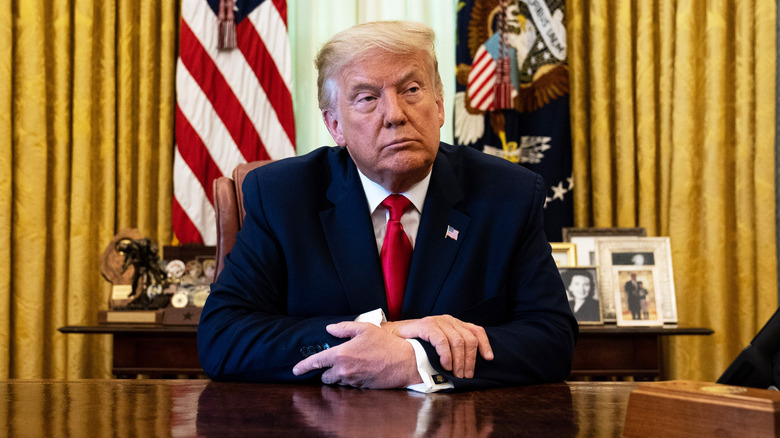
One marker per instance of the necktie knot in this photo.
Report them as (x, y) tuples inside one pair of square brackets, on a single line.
[(397, 206)]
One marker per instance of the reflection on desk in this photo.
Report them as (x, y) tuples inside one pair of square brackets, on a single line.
[(203, 408)]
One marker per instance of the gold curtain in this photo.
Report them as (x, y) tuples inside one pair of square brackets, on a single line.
[(87, 93), (673, 121)]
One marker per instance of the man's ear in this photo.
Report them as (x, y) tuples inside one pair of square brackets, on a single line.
[(334, 126), (440, 108)]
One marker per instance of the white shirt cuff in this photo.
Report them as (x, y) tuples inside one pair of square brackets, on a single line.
[(432, 380), (376, 317)]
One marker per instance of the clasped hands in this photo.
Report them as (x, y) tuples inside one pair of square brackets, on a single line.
[(380, 357)]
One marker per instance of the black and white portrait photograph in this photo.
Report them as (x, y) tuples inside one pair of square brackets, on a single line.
[(582, 290)]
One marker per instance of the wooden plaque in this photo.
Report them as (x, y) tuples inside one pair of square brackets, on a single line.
[(686, 408)]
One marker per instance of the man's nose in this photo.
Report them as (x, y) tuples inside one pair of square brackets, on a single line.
[(393, 110)]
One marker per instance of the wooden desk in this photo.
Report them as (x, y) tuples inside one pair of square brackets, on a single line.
[(601, 352), (611, 351), (186, 408), (154, 351)]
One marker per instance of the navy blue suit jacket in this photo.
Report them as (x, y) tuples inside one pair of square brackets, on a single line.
[(306, 256)]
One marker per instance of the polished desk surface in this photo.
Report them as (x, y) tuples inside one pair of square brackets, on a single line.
[(184, 408)]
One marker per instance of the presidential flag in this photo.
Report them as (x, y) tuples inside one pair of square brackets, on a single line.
[(512, 92), (233, 101)]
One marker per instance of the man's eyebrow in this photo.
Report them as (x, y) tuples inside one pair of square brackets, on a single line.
[(411, 75), (360, 86)]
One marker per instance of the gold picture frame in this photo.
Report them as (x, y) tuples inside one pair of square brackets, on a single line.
[(564, 254)]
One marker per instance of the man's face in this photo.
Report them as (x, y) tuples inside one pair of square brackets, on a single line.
[(388, 117)]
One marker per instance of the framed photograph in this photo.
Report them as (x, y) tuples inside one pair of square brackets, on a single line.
[(564, 254), (583, 293), (585, 240), (637, 300), (619, 254)]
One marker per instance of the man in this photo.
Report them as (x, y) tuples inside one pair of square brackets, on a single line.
[(302, 294), (632, 295)]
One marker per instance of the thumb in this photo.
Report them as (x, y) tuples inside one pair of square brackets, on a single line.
[(346, 329)]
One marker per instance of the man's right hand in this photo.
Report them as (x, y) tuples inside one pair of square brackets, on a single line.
[(456, 342)]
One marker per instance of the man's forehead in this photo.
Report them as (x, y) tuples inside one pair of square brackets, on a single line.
[(384, 69)]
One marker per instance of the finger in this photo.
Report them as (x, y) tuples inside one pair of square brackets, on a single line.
[(465, 345), (485, 350), (442, 346), (346, 329), (467, 350), (311, 363), (330, 377), (470, 356), (458, 348)]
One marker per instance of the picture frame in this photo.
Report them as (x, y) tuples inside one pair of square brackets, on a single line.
[(568, 232), (585, 240), (618, 254), (564, 254), (637, 298), (583, 280)]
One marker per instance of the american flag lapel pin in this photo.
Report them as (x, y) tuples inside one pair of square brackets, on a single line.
[(452, 233)]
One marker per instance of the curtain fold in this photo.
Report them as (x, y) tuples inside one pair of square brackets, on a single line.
[(6, 187), (673, 113), (89, 133)]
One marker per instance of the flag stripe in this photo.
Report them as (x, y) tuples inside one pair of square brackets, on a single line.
[(221, 96), (239, 76), (482, 80), (193, 201), (197, 156), (201, 116), (268, 25), (185, 229), (281, 7), (233, 105), (262, 65)]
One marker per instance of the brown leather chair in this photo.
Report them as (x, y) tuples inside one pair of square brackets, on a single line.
[(229, 207)]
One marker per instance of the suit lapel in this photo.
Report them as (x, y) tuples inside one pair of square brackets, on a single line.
[(350, 236), (434, 252)]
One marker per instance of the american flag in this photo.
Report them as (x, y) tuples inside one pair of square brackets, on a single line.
[(233, 105), (452, 233), (482, 80)]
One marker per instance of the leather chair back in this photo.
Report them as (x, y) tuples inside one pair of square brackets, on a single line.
[(229, 207)]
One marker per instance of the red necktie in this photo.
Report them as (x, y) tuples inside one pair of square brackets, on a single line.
[(396, 254)]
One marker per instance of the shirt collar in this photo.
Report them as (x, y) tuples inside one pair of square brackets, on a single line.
[(375, 193)]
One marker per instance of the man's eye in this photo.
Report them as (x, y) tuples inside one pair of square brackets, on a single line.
[(366, 98), (414, 89)]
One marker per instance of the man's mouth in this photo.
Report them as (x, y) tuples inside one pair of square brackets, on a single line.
[(400, 142)]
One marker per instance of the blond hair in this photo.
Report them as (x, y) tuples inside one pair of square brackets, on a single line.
[(358, 42)]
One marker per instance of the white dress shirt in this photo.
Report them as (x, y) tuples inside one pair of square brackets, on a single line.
[(410, 221)]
